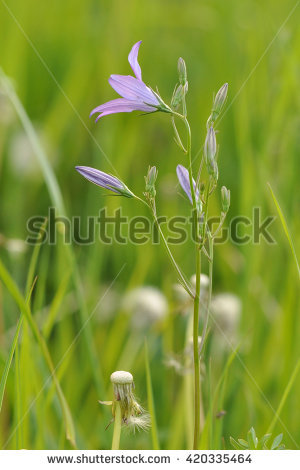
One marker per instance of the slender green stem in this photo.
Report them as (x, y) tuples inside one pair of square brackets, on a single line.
[(183, 281), (188, 389), (223, 216), (196, 352), (197, 295), (175, 265), (177, 136), (117, 427), (210, 274)]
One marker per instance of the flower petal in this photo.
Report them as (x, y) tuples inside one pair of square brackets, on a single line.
[(184, 180), (100, 178), (132, 89), (133, 60), (120, 105)]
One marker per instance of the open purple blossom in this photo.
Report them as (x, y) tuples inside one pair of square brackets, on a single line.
[(136, 95), (104, 180), (184, 180)]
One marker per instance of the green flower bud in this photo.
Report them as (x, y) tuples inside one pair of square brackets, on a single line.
[(182, 71), (150, 180), (225, 196), (219, 101), (177, 96), (210, 150)]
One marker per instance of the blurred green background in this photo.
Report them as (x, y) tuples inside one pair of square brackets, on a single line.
[(59, 57)]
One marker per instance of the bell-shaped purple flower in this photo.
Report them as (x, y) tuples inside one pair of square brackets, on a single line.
[(184, 180), (104, 180), (136, 96)]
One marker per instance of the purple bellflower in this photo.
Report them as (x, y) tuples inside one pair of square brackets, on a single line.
[(136, 95), (104, 180), (184, 180)]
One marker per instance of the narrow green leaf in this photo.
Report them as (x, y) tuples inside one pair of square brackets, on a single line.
[(57, 200), (284, 396), (55, 305), (235, 444), (25, 309), (9, 360), (29, 288), (277, 441), (252, 439), (263, 441), (243, 443), (151, 406), (285, 228)]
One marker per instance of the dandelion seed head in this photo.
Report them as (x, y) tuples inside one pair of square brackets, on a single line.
[(204, 284), (180, 293), (226, 308), (7, 113), (15, 246), (132, 413), (121, 377), (141, 422), (147, 305)]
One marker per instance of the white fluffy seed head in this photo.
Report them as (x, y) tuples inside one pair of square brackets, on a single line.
[(226, 309), (7, 114), (146, 305), (132, 413), (180, 293), (121, 377), (191, 341), (141, 422), (15, 246), (21, 156), (204, 284)]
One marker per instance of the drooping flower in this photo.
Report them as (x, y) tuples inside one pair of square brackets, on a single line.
[(136, 95), (104, 180), (184, 180)]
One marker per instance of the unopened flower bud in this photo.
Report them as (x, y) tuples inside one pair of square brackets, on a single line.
[(225, 195), (210, 150), (182, 71), (210, 145), (178, 96), (219, 101), (150, 180)]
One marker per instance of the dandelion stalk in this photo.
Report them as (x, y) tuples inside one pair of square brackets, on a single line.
[(196, 352), (126, 410), (175, 265), (117, 427)]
